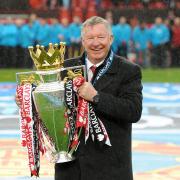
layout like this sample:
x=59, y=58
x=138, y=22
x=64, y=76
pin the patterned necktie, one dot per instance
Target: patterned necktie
x=93, y=68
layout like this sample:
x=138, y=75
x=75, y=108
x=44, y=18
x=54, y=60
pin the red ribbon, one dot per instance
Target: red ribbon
x=26, y=123
x=82, y=119
x=82, y=108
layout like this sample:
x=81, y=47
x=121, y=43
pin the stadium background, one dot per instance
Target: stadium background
x=156, y=146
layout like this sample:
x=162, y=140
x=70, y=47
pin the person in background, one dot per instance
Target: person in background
x=123, y=29
x=10, y=41
x=2, y=57
x=140, y=39
x=27, y=35
x=54, y=31
x=159, y=36
x=175, y=43
x=20, y=56
x=43, y=33
x=34, y=20
x=109, y=18
x=64, y=35
x=168, y=23
x=75, y=36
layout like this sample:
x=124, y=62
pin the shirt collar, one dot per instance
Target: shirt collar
x=89, y=63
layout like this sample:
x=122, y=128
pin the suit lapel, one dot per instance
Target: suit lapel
x=108, y=77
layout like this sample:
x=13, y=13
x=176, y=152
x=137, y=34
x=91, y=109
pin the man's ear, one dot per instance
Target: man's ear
x=82, y=41
x=111, y=39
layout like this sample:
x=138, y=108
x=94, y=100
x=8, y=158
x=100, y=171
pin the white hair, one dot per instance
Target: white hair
x=96, y=20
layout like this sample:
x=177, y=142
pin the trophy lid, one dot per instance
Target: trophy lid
x=51, y=60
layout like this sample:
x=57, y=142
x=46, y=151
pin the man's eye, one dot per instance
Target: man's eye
x=101, y=37
x=90, y=38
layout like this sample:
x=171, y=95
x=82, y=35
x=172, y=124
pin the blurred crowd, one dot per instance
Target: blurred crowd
x=53, y=4
x=17, y=34
x=154, y=44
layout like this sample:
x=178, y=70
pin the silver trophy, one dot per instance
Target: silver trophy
x=48, y=97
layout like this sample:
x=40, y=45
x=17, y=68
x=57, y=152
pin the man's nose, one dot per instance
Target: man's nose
x=96, y=41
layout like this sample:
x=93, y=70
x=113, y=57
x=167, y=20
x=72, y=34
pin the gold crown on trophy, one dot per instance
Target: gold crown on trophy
x=51, y=60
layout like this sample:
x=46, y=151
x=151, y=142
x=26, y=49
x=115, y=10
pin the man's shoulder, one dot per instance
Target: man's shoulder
x=128, y=69
x=125, y=63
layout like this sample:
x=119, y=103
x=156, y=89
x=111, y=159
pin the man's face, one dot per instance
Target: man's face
x=96, y=41
x=158, y=21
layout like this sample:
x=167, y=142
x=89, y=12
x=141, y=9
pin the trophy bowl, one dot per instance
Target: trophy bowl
x=48, y=98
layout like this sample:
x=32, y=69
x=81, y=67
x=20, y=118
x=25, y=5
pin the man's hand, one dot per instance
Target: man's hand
x=17, y=100
x=87, y=91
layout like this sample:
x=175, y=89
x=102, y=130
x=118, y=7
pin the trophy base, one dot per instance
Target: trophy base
x=64, y=157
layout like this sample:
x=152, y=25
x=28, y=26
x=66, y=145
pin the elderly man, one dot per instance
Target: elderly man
x=115, y=91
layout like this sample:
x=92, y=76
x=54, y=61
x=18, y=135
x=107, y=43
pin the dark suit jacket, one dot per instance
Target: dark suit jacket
x=120, y=105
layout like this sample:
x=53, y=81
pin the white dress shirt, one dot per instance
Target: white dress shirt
x=89, y=65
